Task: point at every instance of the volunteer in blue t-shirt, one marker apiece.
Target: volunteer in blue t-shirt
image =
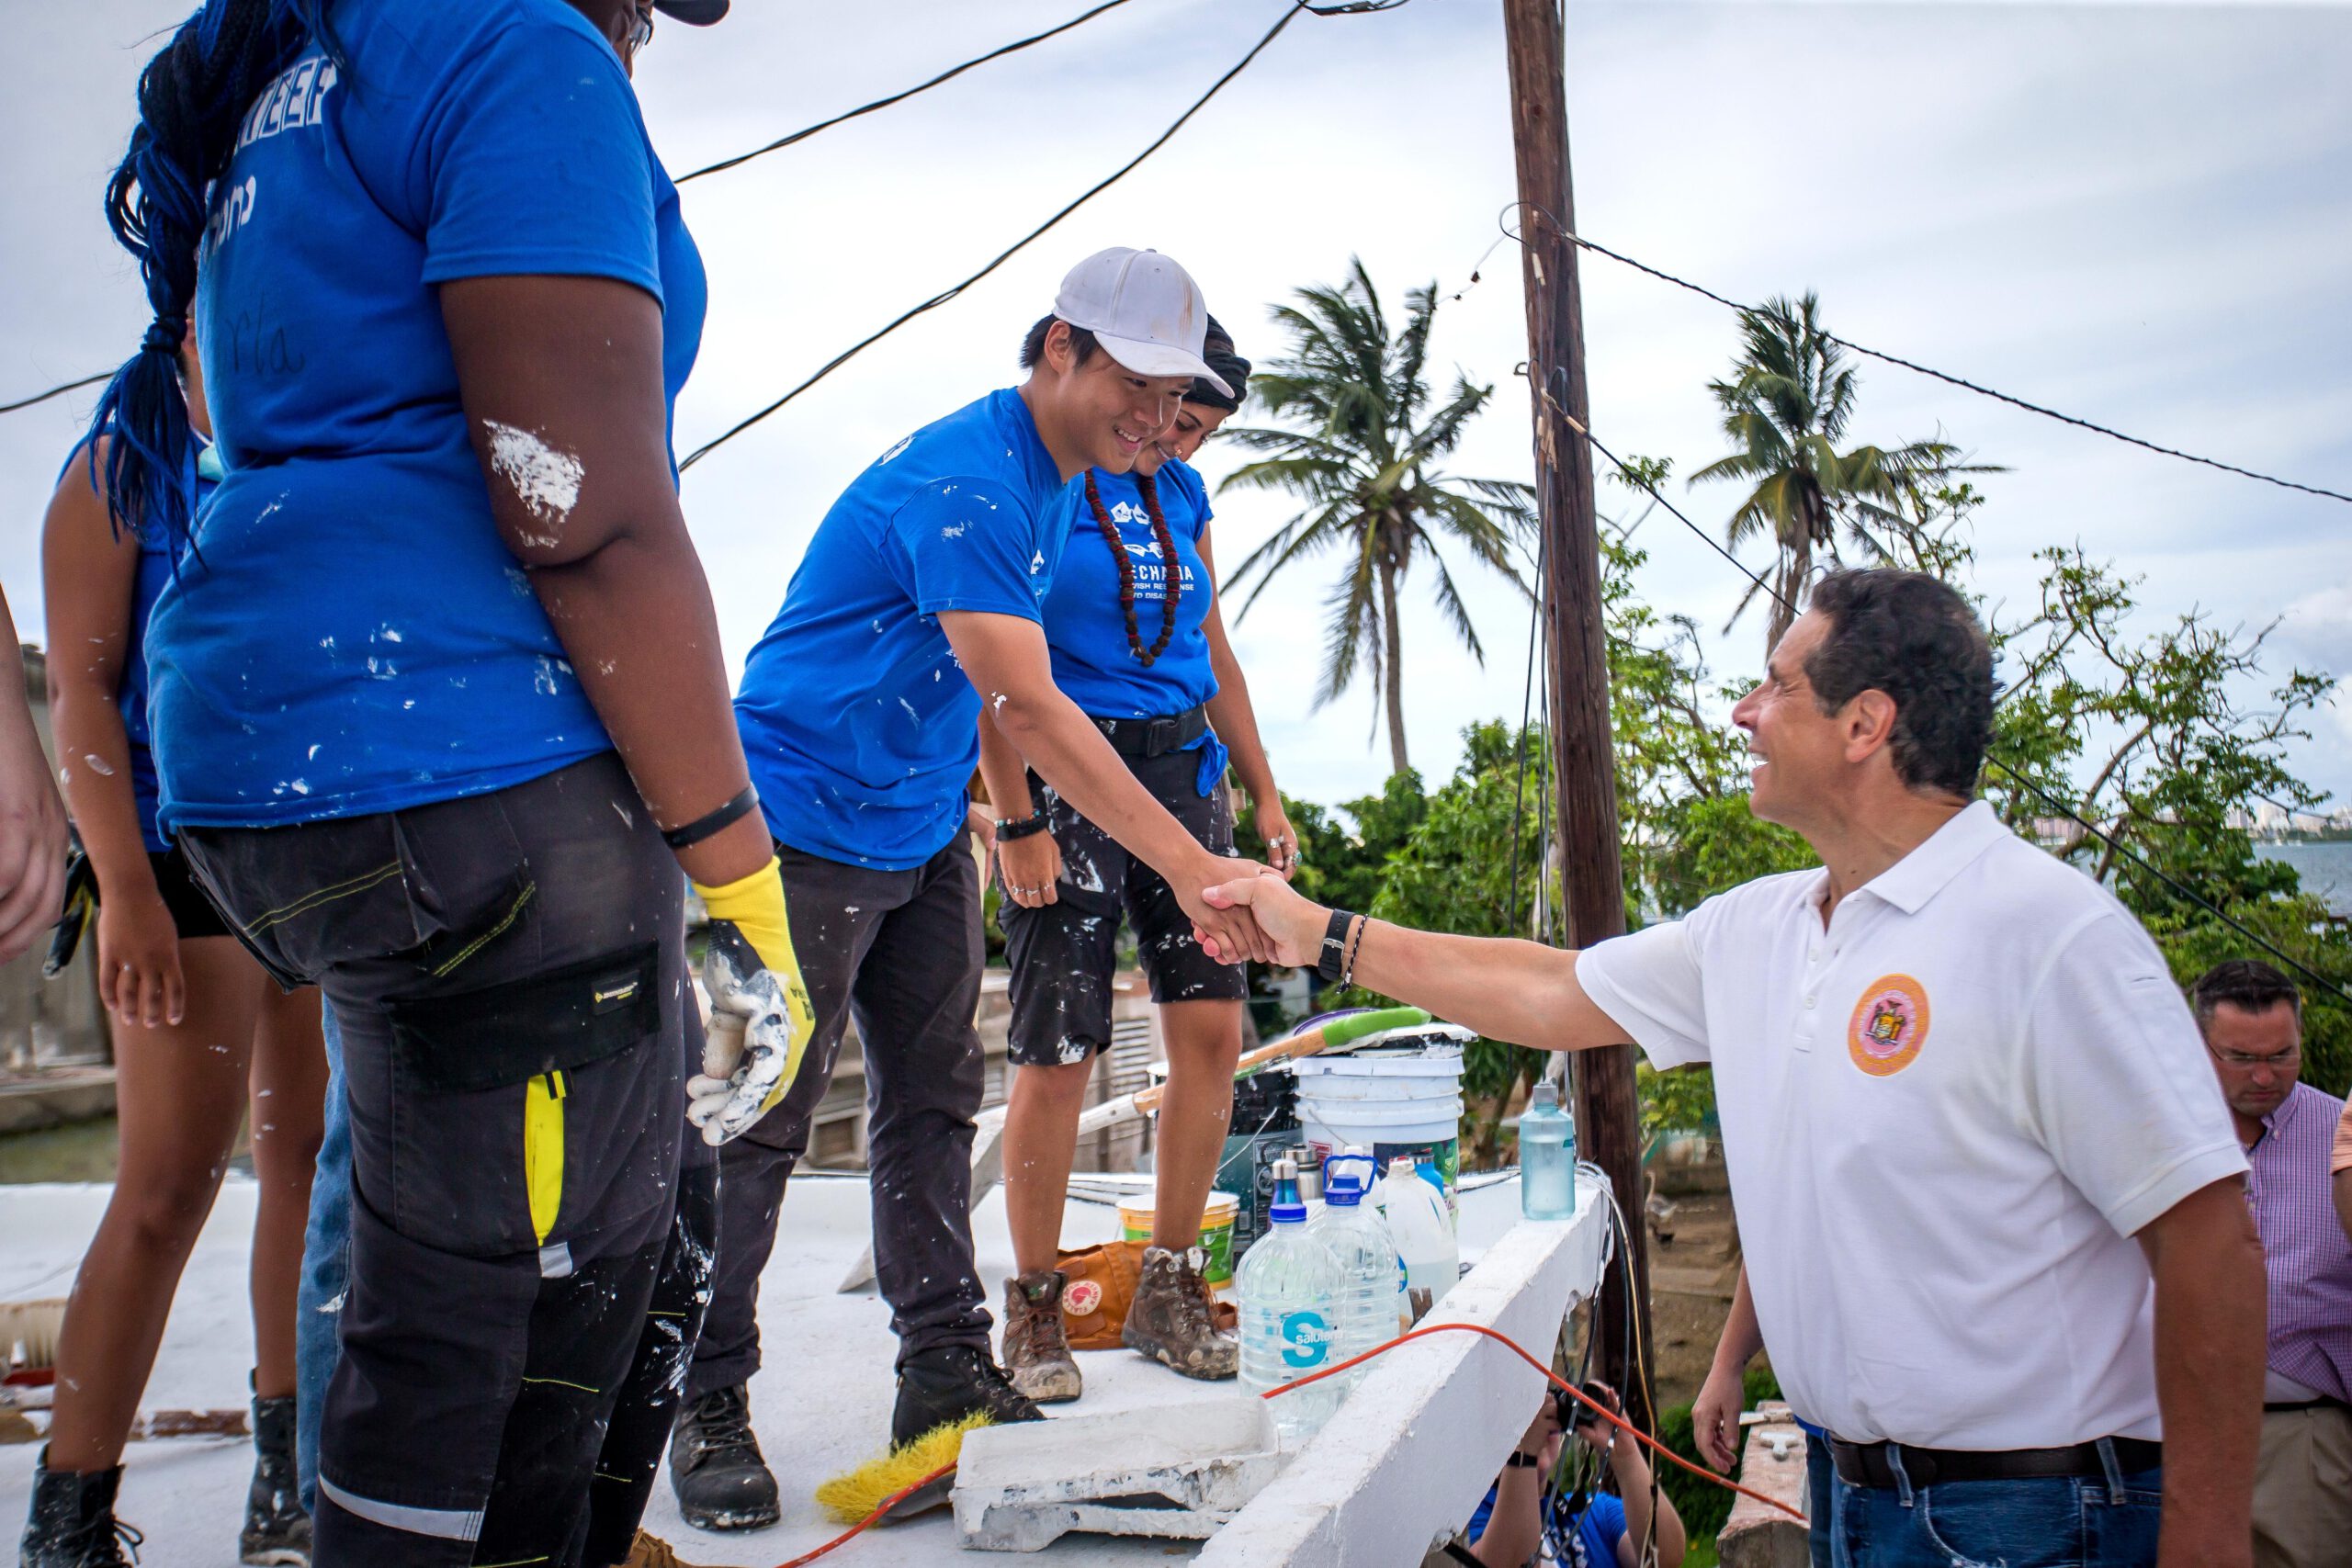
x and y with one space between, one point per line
917 604
1139 644
1532 1514
438 719
199 1034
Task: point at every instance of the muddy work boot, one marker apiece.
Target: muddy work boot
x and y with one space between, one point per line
942 1386
72 1523
1036 1341
1170 1321
715 1466
277 1530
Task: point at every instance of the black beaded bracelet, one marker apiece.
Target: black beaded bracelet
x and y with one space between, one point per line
718 822
1355 945
1020 828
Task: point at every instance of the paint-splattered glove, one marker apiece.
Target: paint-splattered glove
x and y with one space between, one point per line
760 1017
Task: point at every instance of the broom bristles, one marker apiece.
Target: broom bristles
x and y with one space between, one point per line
850 1498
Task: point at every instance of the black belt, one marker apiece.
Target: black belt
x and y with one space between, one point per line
2322 1402
1149 737
1866 1464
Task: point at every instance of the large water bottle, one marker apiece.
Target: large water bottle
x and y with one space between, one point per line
1290 1291
1547 1157
1415 1211
1355 1233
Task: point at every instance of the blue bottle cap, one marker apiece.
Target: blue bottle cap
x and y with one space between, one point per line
1343 1193
1288 1214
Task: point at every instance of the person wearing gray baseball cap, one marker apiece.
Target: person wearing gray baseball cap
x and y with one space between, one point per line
916 610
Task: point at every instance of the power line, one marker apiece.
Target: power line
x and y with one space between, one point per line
57 391
804 133
2048 800
1947 376
1289 14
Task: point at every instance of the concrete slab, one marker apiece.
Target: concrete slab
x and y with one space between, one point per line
1175 1473
1773 1463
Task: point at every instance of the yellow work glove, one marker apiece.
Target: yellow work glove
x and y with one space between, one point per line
760 1016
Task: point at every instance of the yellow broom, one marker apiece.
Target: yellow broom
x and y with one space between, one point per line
853 1498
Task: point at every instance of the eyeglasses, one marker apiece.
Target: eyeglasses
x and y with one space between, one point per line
2291 1057
640 32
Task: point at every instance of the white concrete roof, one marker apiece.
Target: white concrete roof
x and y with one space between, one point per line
821 1405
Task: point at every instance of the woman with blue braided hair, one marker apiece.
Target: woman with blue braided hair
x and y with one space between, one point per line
439 716
200 1037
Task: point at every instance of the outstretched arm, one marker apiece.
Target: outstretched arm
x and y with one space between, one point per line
1012 668
1504 988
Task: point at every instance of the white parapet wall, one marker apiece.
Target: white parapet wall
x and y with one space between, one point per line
1403 1462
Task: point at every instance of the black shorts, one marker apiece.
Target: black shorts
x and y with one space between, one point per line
1063 955
193 915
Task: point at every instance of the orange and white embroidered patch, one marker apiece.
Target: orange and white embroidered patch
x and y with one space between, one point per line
1889 1025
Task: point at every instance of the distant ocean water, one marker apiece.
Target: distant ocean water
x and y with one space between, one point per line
2326 869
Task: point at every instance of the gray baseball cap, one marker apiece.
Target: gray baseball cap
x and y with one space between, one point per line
1144 309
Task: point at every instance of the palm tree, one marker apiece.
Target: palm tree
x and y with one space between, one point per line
1786 409
1363 453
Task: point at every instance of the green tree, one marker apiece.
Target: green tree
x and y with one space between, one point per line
1454 872
1786 408
1362 451
2166 741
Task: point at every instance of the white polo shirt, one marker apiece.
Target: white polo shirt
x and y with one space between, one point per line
1944 1117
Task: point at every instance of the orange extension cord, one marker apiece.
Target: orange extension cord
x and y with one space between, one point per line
1558 1382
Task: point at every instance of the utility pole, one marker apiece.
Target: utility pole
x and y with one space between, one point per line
1584 768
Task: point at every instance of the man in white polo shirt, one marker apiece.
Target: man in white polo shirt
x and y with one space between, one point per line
1957 1086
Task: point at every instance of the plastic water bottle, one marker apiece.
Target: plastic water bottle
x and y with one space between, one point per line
1368 1264
1547 1157
1431 1259
1289 1286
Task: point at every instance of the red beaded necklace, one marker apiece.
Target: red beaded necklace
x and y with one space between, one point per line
1167 542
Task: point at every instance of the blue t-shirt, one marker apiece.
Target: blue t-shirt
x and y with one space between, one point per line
860 726
1591 1536
352 635
1093 664
130 695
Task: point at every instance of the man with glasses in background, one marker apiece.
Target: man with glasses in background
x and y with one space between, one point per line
2252 1018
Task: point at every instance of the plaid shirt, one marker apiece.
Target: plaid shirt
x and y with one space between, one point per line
2304 1249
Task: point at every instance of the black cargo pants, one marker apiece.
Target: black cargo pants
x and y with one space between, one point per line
528 1259
900 950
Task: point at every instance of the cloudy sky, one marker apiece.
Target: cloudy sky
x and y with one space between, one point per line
2136 213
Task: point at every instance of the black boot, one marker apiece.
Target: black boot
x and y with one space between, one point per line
937 1387
715 1466
277 1530
72 1523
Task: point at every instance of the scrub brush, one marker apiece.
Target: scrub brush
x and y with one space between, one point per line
854 1497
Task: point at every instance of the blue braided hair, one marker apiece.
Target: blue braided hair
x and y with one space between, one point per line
192 97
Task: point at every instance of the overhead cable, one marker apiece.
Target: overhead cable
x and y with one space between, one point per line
1946 377
1289 13
57 391
804 132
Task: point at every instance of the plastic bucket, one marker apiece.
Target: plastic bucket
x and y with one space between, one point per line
1400 1100
1216 1232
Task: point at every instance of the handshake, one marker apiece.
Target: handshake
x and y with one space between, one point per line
1259 915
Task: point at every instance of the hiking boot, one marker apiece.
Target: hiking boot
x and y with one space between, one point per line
1036 1341
72 1524
277 1530
1169 1320
715 1466
942 1386
649 1550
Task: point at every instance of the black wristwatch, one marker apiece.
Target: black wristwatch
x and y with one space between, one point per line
1020 828
1523 1461
1331 963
